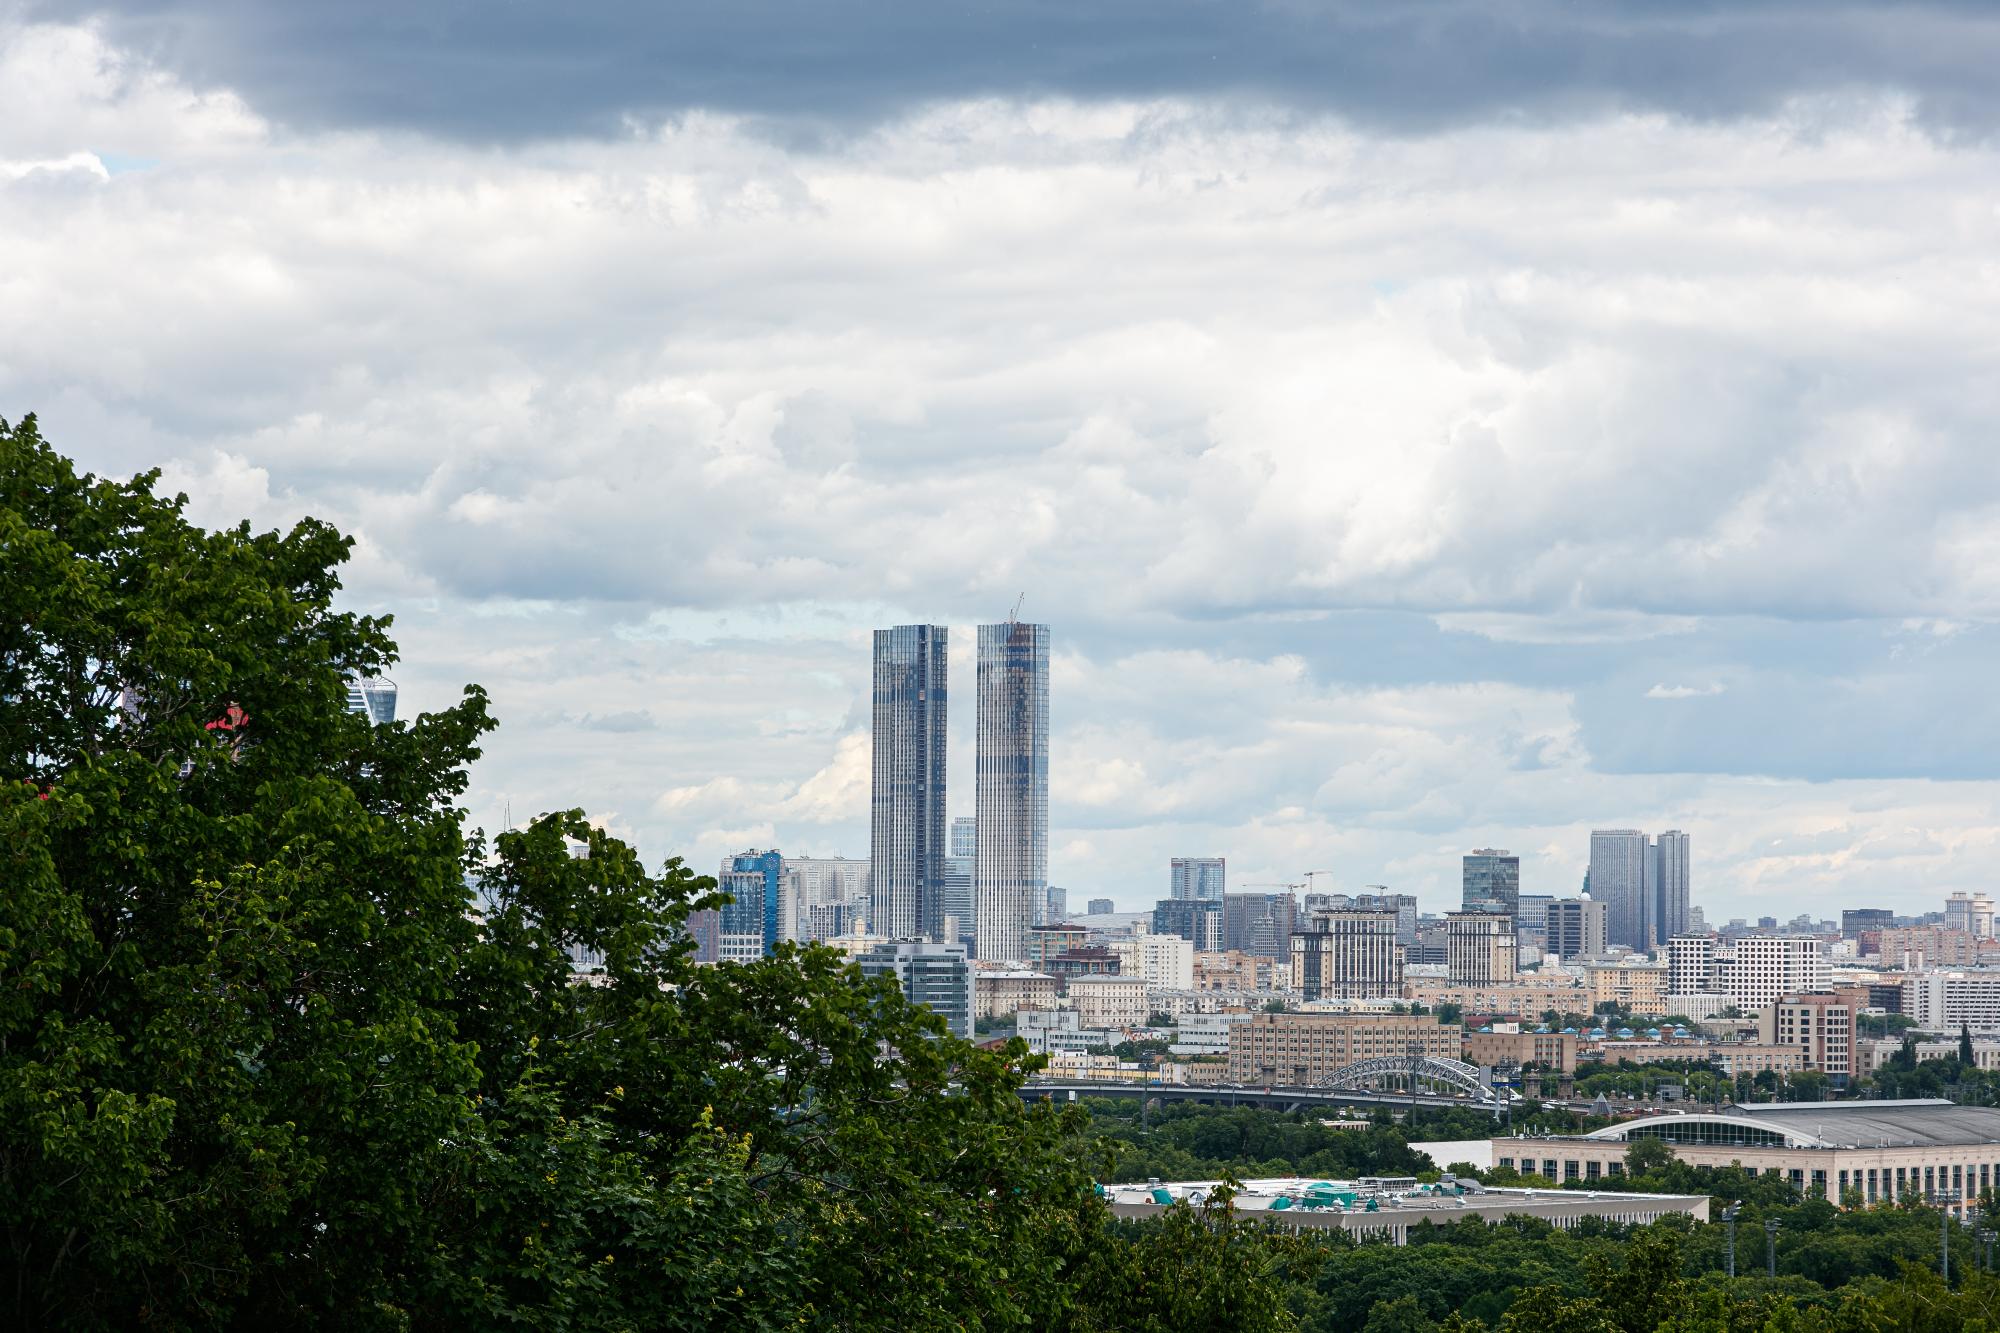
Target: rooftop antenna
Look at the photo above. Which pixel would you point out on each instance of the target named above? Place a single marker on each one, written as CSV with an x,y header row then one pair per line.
x,y
1014,616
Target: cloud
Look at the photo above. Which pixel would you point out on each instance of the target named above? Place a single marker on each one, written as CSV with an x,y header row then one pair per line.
x,y
513,72
1685,691
1367,479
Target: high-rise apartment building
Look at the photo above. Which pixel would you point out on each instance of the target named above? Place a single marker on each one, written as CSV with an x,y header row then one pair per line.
x,y
1197,877
372,697
1760,968
1259,923
1692,965
1348,956
1196,920
1479,948
818,893
1099,907
1011,879
1821,1023
1971,913
907,828
1491,879
755,879
1163,960
1575,928
937,976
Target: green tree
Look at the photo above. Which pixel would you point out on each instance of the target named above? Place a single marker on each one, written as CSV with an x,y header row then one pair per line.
x,y
1645,1156
262,1064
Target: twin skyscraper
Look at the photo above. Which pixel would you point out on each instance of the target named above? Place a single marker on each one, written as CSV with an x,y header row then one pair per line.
x,y
912,894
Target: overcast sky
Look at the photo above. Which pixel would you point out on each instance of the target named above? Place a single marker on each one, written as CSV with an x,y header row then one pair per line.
x,y
1423,427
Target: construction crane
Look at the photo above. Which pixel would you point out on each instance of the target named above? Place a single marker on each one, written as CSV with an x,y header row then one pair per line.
x,y
1014,616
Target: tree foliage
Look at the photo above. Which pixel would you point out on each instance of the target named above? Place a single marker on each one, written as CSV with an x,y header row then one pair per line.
x,y
283,1045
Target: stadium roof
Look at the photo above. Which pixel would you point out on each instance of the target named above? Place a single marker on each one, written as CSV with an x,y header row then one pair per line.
x,y
1857,1124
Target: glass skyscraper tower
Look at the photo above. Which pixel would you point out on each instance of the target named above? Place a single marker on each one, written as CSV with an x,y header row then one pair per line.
x,y
1012,852
907,817
372,697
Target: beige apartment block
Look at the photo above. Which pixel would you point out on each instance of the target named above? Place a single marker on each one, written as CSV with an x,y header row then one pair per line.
x,y
1550,1050
1636,988
1304,1050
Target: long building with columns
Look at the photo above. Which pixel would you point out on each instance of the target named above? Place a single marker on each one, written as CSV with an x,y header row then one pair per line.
x,y
1844,1152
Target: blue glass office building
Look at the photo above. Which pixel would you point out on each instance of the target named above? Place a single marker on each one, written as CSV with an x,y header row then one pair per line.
x,y
1011,878
752,878
907,809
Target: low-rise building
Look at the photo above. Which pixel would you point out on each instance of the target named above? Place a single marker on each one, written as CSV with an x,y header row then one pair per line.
x,y
1524,999
1844,1152
1205,1034
1550,1050
1736,1058
1108,1001
1004,994
1635,987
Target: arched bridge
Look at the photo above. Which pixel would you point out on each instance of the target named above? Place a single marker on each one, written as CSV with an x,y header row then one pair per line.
x,y
1388,1080
1413,1071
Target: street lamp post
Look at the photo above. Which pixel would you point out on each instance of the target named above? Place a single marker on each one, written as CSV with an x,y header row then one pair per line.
x,y
1939,1197
1986,1235
1771,1247
1729,1216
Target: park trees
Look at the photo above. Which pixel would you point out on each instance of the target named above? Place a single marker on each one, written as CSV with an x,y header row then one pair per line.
x,y
263,1064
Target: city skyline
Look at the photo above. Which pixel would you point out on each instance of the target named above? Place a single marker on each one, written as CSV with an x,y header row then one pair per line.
x,y
1637,513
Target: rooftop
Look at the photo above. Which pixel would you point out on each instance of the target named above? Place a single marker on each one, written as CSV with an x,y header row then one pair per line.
x,y
1928,1121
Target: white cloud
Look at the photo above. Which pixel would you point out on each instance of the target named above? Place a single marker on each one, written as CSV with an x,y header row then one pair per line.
x,y
1664,691
649,432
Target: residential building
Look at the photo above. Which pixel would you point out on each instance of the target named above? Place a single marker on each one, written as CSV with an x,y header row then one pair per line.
x,y
1055,906
1971,913
1012,875
1049,942
754,880
964,836
1575,929
1348,955
1162,960
809,885
1305,1050
1491,881
1480,949
372,697
1820,1024
1550,1050
1196,920
937,976
957,919
1259,923
907,800
1948,1001
1100,907
1235,970
1203,877
1691,965
1004,994
1920,947
1763,967
1527,999
1085,960
1108,1001
1851,1152
1635,986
